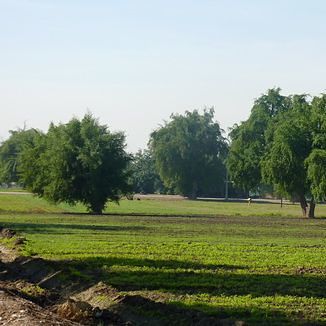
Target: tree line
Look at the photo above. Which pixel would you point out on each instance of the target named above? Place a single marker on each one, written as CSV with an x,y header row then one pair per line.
x,y
281,146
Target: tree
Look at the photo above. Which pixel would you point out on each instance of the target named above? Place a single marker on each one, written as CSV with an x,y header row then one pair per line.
x,y
284,161
144,176
10,151
287,152
316,161
189,152
81,161
248,140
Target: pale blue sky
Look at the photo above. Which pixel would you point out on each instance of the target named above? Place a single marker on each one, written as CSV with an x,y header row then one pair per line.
x,y
132,63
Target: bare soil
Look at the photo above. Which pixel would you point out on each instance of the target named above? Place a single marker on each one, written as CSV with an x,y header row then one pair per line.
x,y
17,311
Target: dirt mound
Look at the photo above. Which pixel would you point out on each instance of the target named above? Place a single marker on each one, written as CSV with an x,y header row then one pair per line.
x,y
34,270
125,309
79,311
29,291
100,295
87,314
16,311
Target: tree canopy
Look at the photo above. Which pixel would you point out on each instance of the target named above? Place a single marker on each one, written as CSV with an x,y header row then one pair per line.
x,y
283,144
189,152
81,161
316,162
248,140
10,151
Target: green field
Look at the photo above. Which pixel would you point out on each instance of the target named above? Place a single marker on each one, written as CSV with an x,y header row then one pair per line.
x,y
260,264
31,204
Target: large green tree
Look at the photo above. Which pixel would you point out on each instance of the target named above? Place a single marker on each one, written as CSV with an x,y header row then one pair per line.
x,y
189,151
81,161
283,163
10,153
287,150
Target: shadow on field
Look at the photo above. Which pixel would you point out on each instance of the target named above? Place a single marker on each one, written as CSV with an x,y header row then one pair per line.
x,y
177,277
159,313
184,277
140,214
215,215
38,228
101,263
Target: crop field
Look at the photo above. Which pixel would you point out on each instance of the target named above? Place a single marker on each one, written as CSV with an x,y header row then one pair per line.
x,y
260,264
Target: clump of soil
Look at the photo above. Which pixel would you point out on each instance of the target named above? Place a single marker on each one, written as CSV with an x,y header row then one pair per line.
x,y
86,314
100,295
10,234
7,233
79,311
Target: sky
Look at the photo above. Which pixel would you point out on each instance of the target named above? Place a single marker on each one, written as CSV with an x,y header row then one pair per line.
x,y
133,63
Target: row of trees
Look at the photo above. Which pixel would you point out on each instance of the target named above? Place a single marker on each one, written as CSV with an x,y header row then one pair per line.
x,y
281,145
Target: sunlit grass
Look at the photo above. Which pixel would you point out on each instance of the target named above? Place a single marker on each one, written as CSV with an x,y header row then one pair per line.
x,y
32,204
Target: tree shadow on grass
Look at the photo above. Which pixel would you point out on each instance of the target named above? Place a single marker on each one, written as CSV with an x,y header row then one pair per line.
x,y
142,214
102,263
184,277
143,311
41,228
181,278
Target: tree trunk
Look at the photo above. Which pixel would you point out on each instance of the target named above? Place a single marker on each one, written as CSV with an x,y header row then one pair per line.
x,y
312,208
96,209
194,190
303,204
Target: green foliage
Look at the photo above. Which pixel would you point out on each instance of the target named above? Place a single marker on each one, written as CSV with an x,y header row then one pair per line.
x,y
80,161
189,152
316,162
283,163
10,152
283,146
249,140
144,176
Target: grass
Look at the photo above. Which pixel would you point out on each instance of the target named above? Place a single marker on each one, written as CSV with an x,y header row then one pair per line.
x,y
12,189
31,204
264,268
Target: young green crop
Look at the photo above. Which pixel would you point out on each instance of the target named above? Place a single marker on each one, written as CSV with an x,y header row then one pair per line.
x,y
265,269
